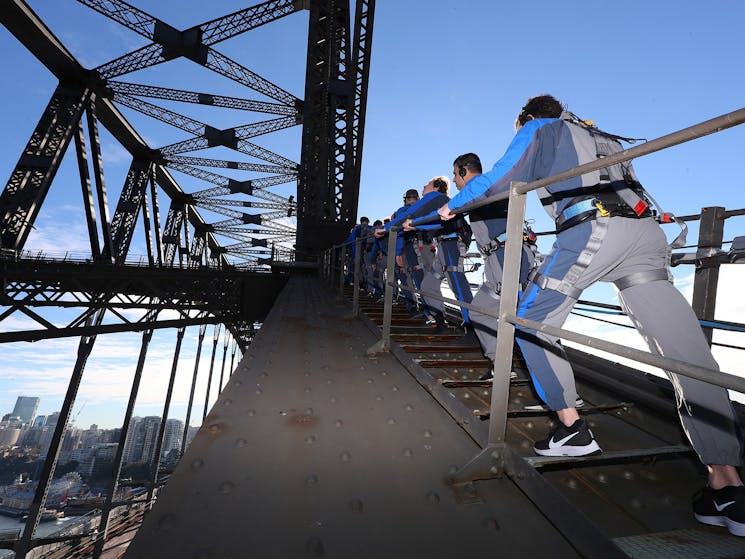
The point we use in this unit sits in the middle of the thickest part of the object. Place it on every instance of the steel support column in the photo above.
(29, 182)
(202, 330)
(24, 544)
(118, 459)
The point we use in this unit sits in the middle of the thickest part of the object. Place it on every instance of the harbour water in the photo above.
(8, 523)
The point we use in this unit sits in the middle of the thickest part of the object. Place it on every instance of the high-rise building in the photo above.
(172, 436)
(26, 407)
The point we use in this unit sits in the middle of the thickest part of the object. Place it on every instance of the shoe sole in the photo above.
(591, 449)
(735, 528)
(540, 407)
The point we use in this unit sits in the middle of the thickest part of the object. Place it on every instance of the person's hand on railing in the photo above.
(408, 226)
(400, 261)
(445, 213)
(379, 232)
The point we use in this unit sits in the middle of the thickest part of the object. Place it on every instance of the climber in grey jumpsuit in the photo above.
(606, 232)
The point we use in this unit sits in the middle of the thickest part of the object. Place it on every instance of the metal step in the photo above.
(608, 456)
(702, 543)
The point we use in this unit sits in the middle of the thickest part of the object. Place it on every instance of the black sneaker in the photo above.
(721, 507)
(576, 440)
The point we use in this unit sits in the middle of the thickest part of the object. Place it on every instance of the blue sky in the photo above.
(445, 79)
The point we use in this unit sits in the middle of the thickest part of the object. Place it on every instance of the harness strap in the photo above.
(492, 246)
(494, 290)
(566, 285)
(639, 278)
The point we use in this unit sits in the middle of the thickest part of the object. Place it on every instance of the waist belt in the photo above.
(448, 236)
(590, 208)
(492, 246)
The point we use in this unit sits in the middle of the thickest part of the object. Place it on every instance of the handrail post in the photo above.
(710, 236)
(507, 306)
(356, 283)
(342, 252)
(384, 344)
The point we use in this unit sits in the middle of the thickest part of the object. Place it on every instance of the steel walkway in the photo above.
(315, 449)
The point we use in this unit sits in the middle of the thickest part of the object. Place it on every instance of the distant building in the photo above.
(26, 407)
(172, 436)
(9, 437)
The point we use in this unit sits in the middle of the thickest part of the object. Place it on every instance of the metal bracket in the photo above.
(487, 464)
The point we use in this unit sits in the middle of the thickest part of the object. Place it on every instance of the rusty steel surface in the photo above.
(315, 450)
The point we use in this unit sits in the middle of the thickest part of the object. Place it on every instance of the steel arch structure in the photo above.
(208, 247)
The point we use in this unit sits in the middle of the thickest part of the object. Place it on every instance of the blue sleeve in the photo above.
(432, 216)
(433, 201)
(430, 226)
(490, 181)
(400, 214)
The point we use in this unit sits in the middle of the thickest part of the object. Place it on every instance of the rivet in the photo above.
(355, 505)
(310, 439)
(432, 498)
(333, 399)
(345, 456)
(252, 412)
(391, 420)
(226, 487)
(166, 523)
(394, 388)
(197, 464)
(338, 423)
(408, 452)
(427, 434)
(409, 408)
(240, 443)
(314, 546)
(491, 524)
(227, 402)
(311, 480)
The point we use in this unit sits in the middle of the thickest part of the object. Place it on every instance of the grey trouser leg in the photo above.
(432, 282)
(488, 296)
(659, 312)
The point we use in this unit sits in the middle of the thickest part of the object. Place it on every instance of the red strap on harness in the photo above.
(640, 207)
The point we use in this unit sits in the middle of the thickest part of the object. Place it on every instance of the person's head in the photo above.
(377, 223)
(540, 106)
(365, 220)
(465, 167)
(386, 220)
(437, 184)
(411, 196)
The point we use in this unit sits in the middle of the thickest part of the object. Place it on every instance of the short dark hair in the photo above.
(540, 106)
(377, 223)
(469, 162)
(440, 184)
(364, 220)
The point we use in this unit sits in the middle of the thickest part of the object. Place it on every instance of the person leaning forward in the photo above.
(606, 232)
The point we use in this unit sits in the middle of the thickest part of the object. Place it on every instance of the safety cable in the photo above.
(629, 326)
